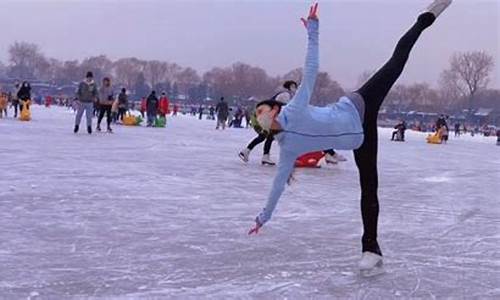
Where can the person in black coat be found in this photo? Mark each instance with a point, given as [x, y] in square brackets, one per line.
[24, 95]
[222, 110]
[152, 108]
[399, 134]
[200, 112]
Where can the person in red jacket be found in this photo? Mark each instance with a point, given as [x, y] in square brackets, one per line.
[143, 106]
[163, 106]
[48, 101]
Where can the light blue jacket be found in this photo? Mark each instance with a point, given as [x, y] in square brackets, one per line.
[308, 128]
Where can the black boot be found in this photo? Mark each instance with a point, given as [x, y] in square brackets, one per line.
[76, 129]
[110, 130]
[98, 128]
[89, 129]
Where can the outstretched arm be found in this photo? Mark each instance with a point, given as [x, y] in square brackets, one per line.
[303, 95]
[285, 168]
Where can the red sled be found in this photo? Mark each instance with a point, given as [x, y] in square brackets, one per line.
[309, 160]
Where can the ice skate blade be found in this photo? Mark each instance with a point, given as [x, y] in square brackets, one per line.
[268, 164]
[372, 272]
[242, 157]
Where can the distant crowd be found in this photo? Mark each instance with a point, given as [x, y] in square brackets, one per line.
[101, 100]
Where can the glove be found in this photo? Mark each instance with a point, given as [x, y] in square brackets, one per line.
[255, 229]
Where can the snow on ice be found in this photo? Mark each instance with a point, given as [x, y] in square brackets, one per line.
[163, 213]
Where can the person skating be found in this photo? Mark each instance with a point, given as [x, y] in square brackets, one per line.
[399, 134]
[262, 136]
[86, 94]
[151, 108]
[301, 128]
[106, 98]
[24, 96]
[122, 104]
[3, 105]
[290, 88]
[457, 129]
[282, 97]
[211, 113]
[143, 106]
[200, 112]
[163, 106]
[248, 117]
[222, 110]
[15, 99]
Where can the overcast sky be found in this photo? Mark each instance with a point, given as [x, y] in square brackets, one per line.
[355, 35]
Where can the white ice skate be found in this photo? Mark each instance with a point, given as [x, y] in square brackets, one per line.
[330, 159]
[339, 157]
[438, 6]
[244, 154]
[371, 264]
[266, 160]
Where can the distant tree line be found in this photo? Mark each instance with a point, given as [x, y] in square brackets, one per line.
[463, 85]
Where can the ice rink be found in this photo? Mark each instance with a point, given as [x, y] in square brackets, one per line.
[164, 213]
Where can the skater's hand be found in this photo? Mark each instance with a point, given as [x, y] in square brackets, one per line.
[255, 229]
[313, 14]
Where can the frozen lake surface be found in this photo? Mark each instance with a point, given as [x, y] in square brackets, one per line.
[164, 213]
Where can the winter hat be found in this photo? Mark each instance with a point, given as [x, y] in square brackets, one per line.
[89, 75]
[288, 84]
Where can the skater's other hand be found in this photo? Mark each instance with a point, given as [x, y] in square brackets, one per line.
[255, 229]
[313, 14]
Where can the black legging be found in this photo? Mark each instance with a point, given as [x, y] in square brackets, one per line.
[121, 113]
[15, 105]
[104, 109]
[269, 138]
[374, 92]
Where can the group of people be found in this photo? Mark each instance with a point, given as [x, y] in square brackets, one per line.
[102, 101]
[94, 100]
[155, 107]
[18, 101]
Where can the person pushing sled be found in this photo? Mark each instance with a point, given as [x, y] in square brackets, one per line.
[349, 124]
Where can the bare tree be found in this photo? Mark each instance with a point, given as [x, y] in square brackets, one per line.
[187, 78]
[3, 69]
[363, 77]
[127, 71]
[155, 72]
[100, 65]
[418, 96]
[326, 90]
[295, 75]
[71, 72]
[25, 59]
[469, 73]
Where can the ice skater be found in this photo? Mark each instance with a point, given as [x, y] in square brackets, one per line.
[87, 95]
[106, 98]
[349, 124]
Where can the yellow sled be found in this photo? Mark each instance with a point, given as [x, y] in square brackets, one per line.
[434, 138]
[129, 120]
[26, 113]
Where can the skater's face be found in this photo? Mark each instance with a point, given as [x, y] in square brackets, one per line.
[293, 88]
[266, 115]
